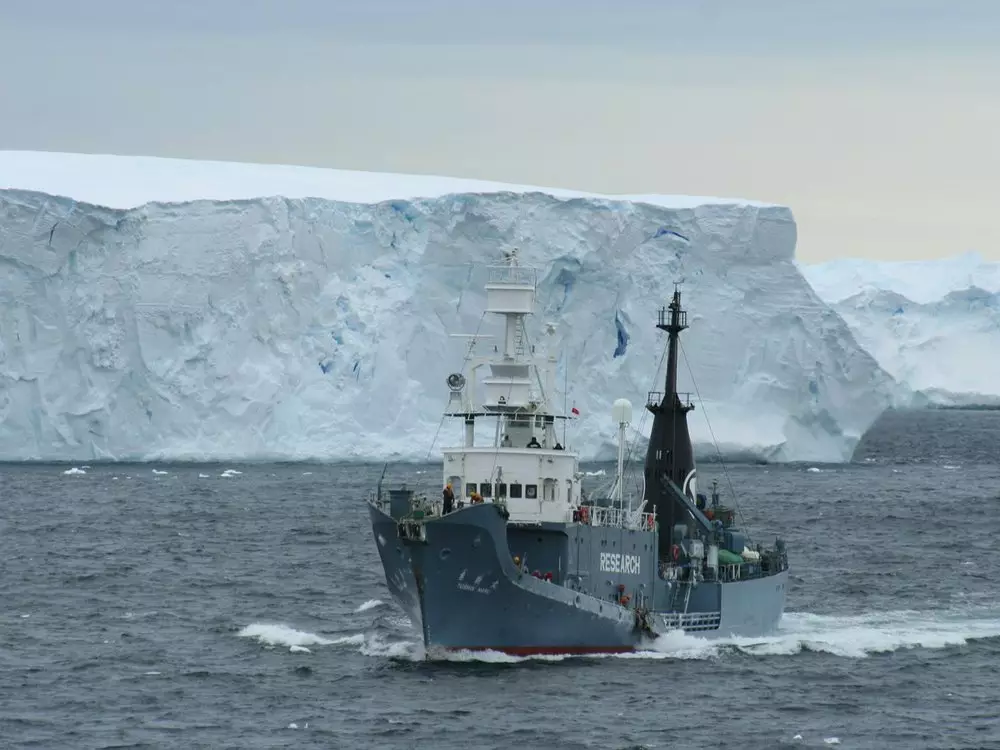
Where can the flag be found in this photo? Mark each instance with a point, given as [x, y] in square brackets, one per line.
[575, 410]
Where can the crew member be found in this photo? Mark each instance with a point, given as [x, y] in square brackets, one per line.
[533, 443]
[449, 498]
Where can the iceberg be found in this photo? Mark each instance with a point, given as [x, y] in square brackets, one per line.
[933, 325]
[159, 309]
[947, 350]
[920, 281]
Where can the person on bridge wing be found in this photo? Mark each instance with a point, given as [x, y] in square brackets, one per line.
[449, 499]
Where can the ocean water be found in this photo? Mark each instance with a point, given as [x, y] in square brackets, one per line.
[244, 607]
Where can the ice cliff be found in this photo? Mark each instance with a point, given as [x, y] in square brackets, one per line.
[933, 325]
[305, 314]
[920, 281]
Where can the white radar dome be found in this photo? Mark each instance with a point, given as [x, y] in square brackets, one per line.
[621, 411]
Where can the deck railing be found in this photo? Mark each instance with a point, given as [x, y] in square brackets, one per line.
[512, 275]
[663, 317]
[621, 518]
[655, 398]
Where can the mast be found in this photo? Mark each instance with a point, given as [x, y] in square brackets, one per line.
[677, 322]
[670, 456]
[519, 383]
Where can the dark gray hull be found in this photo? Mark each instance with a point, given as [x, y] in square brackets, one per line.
[457, 582]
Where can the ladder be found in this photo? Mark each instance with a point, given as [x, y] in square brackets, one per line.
[519, 339]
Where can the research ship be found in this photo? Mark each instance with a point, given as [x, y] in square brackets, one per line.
[523, 562]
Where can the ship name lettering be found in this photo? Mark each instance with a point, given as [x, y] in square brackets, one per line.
[613, 562]
[476, 589]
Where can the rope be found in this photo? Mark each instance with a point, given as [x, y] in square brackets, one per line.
[626, 469]
[715, 442]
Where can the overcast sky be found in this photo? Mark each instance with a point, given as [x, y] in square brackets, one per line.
[877, 121]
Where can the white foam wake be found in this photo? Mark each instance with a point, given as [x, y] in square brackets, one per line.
[854, 637]
[859, 636]
[282, 635]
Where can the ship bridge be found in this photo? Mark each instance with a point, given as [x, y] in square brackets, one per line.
[535, 484]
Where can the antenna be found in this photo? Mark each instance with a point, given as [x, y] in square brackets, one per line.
[621, 412]
[378, 488]
[565, 395]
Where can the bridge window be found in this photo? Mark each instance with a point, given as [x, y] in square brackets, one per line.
[470, 489]
[515, 490]
[501, 489]
[531, 491]
[486, 489]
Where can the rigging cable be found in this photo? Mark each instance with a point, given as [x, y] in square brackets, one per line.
[715, 442]
[642, 421]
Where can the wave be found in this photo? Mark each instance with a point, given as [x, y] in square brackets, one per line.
[852, 636]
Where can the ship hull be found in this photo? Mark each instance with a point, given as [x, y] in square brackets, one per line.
[455, 578]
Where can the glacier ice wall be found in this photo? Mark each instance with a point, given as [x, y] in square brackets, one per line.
[933, 325]
[303, 328]
[921, 281]
[948, 350]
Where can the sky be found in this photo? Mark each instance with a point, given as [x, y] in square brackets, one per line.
[876, 121]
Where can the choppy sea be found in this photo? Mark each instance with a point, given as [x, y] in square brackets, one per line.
[243, 606]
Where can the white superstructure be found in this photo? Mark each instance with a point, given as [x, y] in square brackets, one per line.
[526, 467]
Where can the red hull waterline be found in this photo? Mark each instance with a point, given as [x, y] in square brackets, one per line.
[547, 650]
